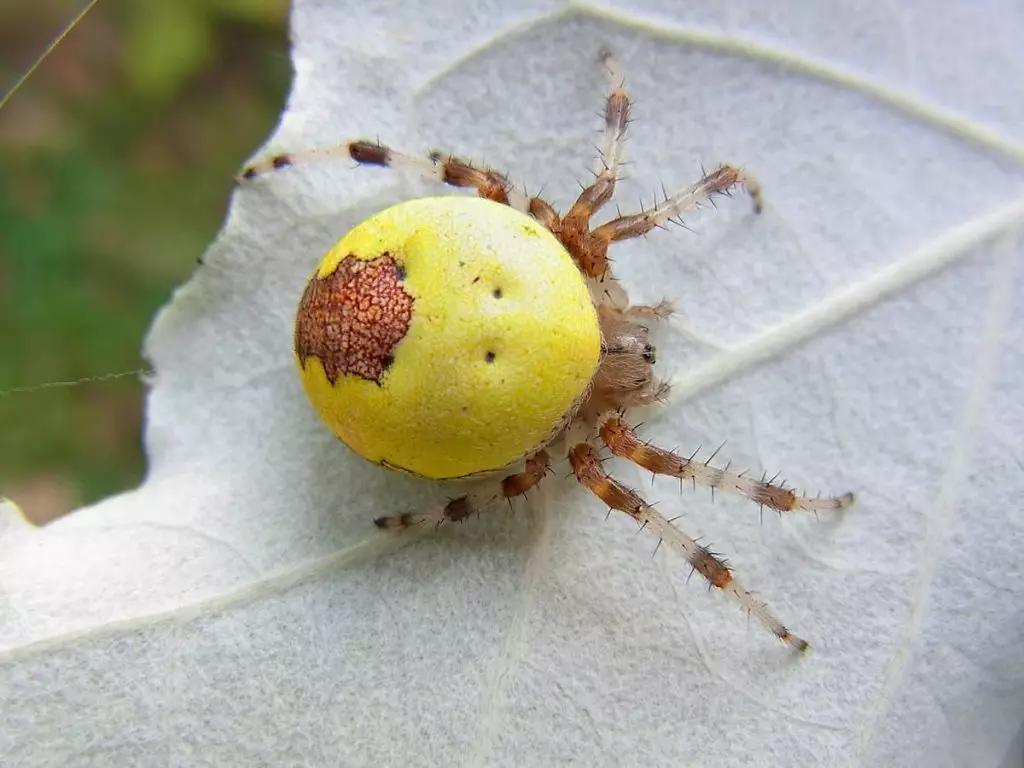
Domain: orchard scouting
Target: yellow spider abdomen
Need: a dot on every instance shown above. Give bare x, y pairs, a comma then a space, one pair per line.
446, 336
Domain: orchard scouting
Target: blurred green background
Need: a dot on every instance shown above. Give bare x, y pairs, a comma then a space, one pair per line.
116, 162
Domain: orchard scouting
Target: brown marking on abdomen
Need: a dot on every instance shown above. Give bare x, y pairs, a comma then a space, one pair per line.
352, 319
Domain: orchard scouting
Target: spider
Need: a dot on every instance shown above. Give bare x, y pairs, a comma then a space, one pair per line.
466, 337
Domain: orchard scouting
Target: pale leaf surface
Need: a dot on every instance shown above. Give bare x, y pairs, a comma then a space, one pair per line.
240, 608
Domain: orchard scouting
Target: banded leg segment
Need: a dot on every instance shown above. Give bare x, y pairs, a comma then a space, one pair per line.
460, 508
545, 214
586, 466
590, 247
489, 184
575, 226
613, 143
719, 182
622, 440
616, 118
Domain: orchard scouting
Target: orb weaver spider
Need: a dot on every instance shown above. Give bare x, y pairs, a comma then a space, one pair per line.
464, 337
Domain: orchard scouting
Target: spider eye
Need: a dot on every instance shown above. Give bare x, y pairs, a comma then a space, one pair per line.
649, 354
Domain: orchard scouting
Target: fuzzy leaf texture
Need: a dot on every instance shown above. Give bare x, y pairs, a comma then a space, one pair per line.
865, 333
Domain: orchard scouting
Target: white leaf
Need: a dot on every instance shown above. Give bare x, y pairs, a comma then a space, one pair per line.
240, 608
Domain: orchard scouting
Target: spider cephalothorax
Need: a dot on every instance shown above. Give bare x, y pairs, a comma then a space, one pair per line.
452, 337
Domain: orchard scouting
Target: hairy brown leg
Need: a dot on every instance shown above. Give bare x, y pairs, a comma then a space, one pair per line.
586, 466
622, 440
720, 181
590, 249
545, 214
489, 184
575, 226
458, 509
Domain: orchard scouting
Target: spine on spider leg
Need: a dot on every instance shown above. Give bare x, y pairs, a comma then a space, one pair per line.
622, 441
586, 466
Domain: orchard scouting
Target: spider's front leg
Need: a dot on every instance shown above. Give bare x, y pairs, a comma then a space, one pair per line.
586, 466
574, 229
590, 247
720, 181
488, 491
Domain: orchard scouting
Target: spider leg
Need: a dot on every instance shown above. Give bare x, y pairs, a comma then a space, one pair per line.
575, 226
489, 184
616, 118
458, 509
623, 442
719, 181
586, 466
545, 214
590, 247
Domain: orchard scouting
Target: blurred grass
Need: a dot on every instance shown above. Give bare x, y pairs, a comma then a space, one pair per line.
116, 161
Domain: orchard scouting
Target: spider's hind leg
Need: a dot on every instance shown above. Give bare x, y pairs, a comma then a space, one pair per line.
362, 152
622, 441
489, 184
586, 466
488, 491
